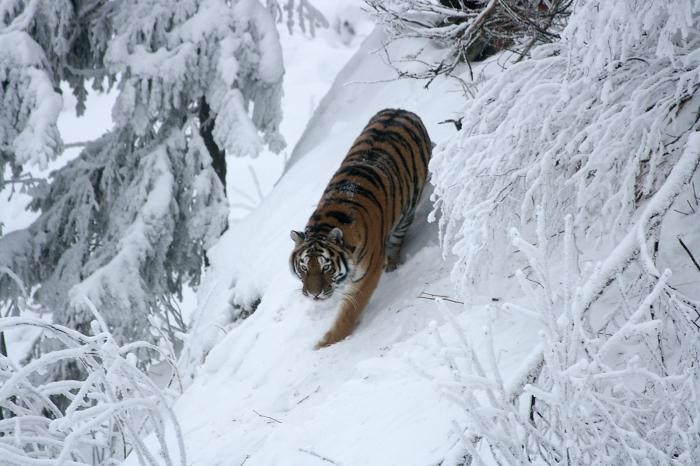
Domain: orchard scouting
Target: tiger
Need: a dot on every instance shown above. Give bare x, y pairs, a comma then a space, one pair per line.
360, 223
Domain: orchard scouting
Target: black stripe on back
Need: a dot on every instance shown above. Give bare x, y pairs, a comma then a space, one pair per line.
341, 217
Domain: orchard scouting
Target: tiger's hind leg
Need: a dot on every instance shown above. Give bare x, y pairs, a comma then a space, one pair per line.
393, 244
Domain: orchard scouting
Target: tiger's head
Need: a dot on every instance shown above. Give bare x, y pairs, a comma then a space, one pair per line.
320, 262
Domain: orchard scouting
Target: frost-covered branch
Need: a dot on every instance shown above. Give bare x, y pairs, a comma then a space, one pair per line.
600, 126
575, 159
468, 30
621, 392
107, 413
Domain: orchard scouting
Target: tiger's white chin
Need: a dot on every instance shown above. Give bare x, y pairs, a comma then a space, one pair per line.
321, 297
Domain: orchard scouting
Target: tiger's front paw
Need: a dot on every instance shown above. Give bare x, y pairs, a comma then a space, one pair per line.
391, 264
327, 340
321, 344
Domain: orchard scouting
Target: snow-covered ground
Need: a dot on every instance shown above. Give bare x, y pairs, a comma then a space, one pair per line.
260, 394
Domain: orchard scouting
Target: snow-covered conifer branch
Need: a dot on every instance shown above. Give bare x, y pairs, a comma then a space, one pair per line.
43, 43
300, 12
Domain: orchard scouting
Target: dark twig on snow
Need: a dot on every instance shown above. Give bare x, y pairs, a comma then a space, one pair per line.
457, 122
435, 297
309, 395
268, 417
309, 452
690, 254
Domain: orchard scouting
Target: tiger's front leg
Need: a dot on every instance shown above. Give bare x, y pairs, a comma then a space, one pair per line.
351, 307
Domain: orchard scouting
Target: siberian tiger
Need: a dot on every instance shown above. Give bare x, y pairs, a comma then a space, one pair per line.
360, 222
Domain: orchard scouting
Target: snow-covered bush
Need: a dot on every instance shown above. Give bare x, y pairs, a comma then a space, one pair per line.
604, 386
107, 413
468, 30
599, 119
572, 161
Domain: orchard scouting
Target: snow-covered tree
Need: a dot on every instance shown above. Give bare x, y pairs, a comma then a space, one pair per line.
127, 223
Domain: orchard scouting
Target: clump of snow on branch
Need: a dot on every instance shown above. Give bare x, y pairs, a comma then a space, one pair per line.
94, 420
600, 118
30, 104
43, 43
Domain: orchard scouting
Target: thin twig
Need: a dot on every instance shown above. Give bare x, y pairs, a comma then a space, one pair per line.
435, 297
70, 145
457, 122
309, 395
309, 452
697, 266
268, 417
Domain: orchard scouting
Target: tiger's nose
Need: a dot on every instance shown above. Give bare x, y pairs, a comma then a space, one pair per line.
312, 293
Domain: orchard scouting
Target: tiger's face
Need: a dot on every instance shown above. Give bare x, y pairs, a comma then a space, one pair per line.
321, 263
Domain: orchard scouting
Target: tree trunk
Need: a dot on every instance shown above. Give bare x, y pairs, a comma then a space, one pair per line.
3, 351
206, 128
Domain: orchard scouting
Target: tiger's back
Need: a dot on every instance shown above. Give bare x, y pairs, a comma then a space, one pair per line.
365, 211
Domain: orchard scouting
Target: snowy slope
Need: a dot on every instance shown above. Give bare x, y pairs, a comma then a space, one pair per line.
262, 395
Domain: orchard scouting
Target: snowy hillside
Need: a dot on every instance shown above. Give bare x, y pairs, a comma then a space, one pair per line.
263, 393
546, 309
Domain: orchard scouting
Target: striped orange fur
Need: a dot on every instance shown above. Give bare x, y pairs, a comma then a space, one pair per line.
360, 222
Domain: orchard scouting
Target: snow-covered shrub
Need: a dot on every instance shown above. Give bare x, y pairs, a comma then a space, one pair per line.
574, 158
605, 385
468, 30
107, 413
599, 118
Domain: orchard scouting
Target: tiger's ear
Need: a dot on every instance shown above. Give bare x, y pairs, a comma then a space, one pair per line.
297, 236
335, 235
